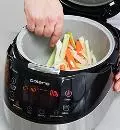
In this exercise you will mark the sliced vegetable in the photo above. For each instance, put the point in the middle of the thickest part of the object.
(80, 66)
(78, 47)
(52, 58)
(83, 54)
(66, 65)
(70, 59)
(72, 42)
(94, 61)
(71, 54)
(62, 67)
(88, 52)
(58, 51)
(71, 47)
(80, 59)
(82, 41)
(64, 46)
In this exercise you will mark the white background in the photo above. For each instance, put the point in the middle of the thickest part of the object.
(11, 21)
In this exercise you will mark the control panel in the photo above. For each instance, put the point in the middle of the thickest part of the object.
(36, 98)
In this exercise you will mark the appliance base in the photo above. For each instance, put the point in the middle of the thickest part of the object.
(88, 122)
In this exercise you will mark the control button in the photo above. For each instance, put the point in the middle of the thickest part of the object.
(25, 88)
(41, 112)
(66, 108)
(11, 94)
(29, 110)
(13, 80)
(68, 93)
(13, 87)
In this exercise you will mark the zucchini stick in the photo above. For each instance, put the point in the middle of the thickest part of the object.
(52, 58)
(88, 52)
(58, 50)
(94, 61)
(72, 39)
(82, 41)
(64, 46)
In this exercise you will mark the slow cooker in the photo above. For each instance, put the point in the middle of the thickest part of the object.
(42, 98)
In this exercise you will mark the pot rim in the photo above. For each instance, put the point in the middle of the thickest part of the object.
(24, 30)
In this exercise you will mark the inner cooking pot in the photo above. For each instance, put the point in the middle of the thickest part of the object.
(36, 49)
(91, 2)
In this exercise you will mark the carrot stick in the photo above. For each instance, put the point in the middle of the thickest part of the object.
(70, 59)
(78, 58)
(62, 67)
(78, 47)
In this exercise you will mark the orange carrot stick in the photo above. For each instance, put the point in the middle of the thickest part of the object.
(70, 42)
(78, 47)
(70, 59)
(62, 67)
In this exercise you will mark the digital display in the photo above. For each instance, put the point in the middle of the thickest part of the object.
(41, 97)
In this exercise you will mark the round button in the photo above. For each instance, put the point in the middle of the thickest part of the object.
(66, 108)
(41, 111)
(68, 93)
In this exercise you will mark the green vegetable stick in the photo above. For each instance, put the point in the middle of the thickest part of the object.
(52, 58)
(64, 46)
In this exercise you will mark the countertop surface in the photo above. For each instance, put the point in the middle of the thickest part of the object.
(11, 20)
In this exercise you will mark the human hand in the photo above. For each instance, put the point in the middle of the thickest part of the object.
(117, 83)
(45, 18)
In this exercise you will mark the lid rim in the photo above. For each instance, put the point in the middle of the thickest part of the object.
(90, 5)
(94, 12)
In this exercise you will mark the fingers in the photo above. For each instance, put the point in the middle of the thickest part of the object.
(57, 33)
(117, 86)
(39, 26)
(45, 18)
(49, 27)
(117, 83)
(117, 76)
(30, 23)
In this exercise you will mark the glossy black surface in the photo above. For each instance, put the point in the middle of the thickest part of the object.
(100, 13)
(48, 98)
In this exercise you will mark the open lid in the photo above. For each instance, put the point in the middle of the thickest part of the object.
(92, 8)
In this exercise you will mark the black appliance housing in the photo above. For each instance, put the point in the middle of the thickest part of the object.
(65, 97)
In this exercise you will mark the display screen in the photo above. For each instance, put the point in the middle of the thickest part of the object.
(40, 96)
